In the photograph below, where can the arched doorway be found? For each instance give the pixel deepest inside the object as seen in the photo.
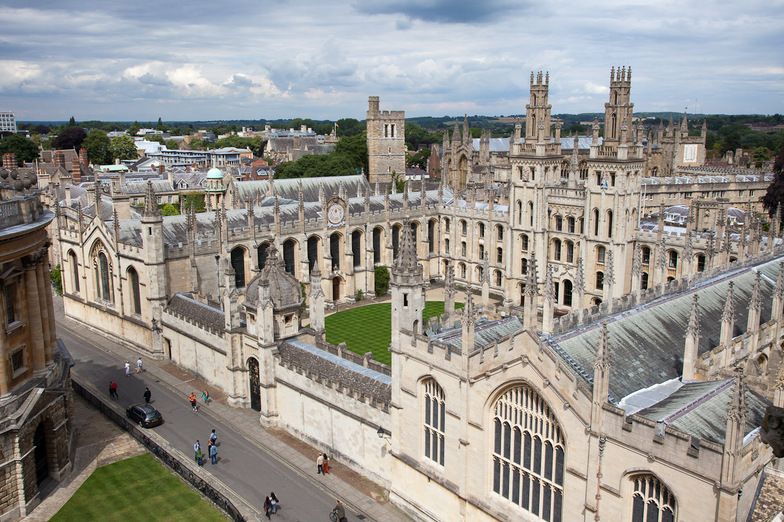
(41, 465)
(336, 289)
(255, 382)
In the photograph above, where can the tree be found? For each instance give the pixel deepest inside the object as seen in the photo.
(381, 280)
(160, 126)
(419, 159)
(155, 137)
(123, 147)
(26, 150)
(98, 147)
(72, 122)
(169, 210)
(134, 128)
(354, 149)
(57, 279)
(775, 194)
(172, 144)
(70, 138)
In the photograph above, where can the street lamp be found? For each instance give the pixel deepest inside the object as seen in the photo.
(382, 434)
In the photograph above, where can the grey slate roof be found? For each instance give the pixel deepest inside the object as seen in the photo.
(351, 375)
(196, 312)
(647, 342)
(699, 409)
(289, 188)
(140, 187)
(486, 333)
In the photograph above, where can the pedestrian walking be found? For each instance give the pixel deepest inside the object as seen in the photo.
(213, 454)
(326, 463)
(213, 437)
(127, 369)
(192, 398)
(113, 390)
(196, 448)
(320, 464)
(206, 396)
(139, 365)
(147, 395)
(267, 507)
(199, 457)
(274, 501)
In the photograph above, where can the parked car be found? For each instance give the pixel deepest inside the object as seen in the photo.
(144, 414)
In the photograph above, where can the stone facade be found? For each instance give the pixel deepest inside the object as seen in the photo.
(386, 138)
(35, 396)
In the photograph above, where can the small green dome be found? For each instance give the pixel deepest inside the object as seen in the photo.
(214, 173)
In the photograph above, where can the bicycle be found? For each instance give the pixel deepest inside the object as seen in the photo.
(333, 516)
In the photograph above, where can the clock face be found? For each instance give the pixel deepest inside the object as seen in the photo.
(335, 213)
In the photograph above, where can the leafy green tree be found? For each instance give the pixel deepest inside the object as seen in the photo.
(775, 193)
(381, 280)
(123, 147)
(197, 200)
(419, 159)
(354, 149)
(760, 155)
(98, 147)
(313, 166)
(169, 210)
(399, 181)
(69, 138)
(350, 127)
(57, 279)
(72, 122)
(160, 126)
(172, 144)
(155, 137)
(134, 128)
(25, 150)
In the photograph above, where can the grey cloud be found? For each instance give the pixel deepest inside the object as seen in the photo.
(442, 11)
(151, 79)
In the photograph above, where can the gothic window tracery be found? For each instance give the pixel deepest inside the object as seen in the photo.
(103, 277)
(133, 281)
(435, 421)
(74, 271)
(528, 454)
(524, 242)
(652, 501)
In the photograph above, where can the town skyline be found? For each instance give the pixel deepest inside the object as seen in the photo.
(309, 59)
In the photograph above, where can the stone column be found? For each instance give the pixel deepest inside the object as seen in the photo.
(5, 367)
(45, 312)
(37, 354)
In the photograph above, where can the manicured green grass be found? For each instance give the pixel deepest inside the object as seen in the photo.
(369, 329)
(139, 488)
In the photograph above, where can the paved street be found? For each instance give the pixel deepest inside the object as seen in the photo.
(252, 462)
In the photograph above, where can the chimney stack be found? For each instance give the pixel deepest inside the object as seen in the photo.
(59, 159)
(76, 171)
(9, 160)
(83, 157)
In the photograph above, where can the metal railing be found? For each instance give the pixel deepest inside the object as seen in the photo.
(163, 453)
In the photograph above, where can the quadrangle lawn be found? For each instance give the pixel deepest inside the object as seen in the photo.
(139, 488)
(369, 328)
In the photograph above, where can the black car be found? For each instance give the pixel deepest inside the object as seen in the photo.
(144, 414)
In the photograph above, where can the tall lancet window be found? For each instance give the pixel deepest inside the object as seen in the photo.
(435, 419)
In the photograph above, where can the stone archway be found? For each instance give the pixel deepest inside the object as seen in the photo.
(41, 463)
(336, 289)
(255, 383)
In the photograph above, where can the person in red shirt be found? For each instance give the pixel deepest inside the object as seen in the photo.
(192, 398)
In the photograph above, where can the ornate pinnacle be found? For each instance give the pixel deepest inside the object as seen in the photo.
(637, 262)
(694, 320)
(661, 261)
(579, 277)
(549, 285)
(688, 252)
(602, 361)
(449, 281)
(729, 307)
(756, 299)
(737, 405)
(609, 275)
(779, 291)
(531, 284)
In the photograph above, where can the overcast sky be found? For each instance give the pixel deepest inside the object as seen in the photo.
(251, 59)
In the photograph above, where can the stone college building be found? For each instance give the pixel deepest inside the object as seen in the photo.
(604, 367)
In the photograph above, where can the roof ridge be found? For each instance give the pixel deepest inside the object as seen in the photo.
(702, 399)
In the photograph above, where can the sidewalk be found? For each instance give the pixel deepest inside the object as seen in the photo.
(356, 492)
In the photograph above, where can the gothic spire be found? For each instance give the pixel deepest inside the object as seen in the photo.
(609, 275)
(579, 277)
(549, 285)
(150, 202)
(531, 284)
(602, 361)
(728, 315)
(637, 262)
(756, 299)
(406, 262)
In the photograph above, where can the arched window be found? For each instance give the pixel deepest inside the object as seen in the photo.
(600, 254)
(334, 250)
(646, 255)
(263, 253)
(499, 231)
(528, 454)
(481, 251)
(531, 212)
(498, 279)
(644, 281)
(356, 247)
(520, 208)
(481, 230)
(499, 255)
(569, 252)
(652, 501)
(133, 281)
(524, 242)
(600, 280)
(288, 255)
(596, 222)
(462, 270)
(377, 244)
(558, 223)
(570, 224)
(431, 237)
(672, 259)
(74, 271)
(567, 292)
(557, 249)
(238, 264)
(435, 421)
(395, 240)
(463, 228)
(700, 263)
(609, 223)
(463, 249)
(446, 246)
(104, 286)
(524, 266)
(313, 252)
(446, 224)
